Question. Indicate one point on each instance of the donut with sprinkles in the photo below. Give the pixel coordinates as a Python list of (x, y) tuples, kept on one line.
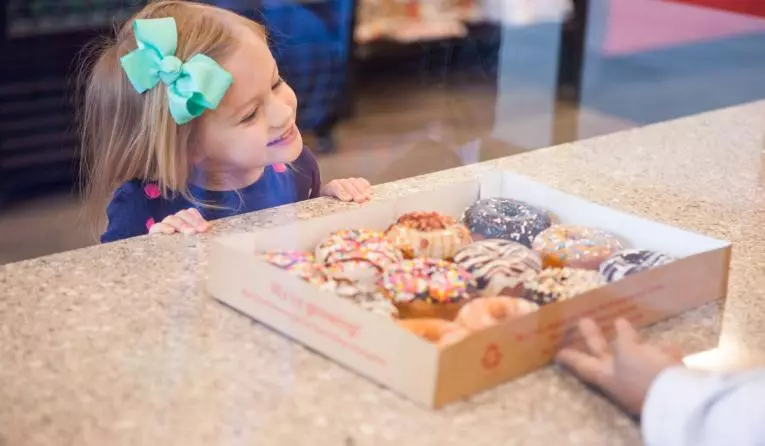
[(575, 247), (556, 284), (507, 219), (299, 263), (427, 287), (356, 255)]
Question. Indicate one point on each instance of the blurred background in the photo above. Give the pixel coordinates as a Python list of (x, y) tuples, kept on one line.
[(391, 89)]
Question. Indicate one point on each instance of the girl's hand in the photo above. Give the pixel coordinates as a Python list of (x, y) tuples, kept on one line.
[(188, 221), (349, 189), (623, 370)]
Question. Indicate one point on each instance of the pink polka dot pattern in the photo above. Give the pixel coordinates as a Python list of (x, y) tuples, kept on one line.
[(279, 168), (152, 191), (149, 223)]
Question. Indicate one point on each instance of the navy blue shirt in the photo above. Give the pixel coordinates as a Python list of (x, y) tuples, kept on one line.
[(137, 205)]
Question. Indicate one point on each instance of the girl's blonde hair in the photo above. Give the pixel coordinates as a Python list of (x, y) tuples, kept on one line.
[(126, 135)]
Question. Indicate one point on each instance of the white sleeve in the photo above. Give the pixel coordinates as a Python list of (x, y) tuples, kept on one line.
[(691, 408)]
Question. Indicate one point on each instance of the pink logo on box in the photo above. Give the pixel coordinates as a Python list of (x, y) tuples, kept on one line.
[(492, 357)]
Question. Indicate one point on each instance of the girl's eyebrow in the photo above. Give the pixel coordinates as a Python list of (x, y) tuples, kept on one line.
[(246, 107)]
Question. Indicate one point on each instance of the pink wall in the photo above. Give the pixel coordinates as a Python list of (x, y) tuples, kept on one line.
[(644, 25)]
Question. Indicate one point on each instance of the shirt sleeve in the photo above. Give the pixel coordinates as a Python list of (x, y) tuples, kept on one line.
[(128, 214), (692, 408), (308, 165)]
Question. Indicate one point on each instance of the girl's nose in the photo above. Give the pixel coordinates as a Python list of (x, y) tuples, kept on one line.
[(278, 112)]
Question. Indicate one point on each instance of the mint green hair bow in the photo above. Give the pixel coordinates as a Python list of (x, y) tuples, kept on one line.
[(192, 86)]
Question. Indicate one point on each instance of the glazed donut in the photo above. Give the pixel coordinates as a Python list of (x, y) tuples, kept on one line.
[(485, 312), (555, 284), (631, 261), (426, 288), (437, 331), (506, 219), (428, 234), (575, 247), (299, 263), (499, 266), (356, 255)]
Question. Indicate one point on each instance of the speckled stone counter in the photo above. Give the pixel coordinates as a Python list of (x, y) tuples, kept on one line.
[(119, 344)]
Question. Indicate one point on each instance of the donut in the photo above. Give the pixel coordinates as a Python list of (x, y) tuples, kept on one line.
[(426, 288), (575, 247), (299, 263), (506, 219), (631, 261), (485, 312), (555, 284), (356, 255), (377, 304), (428, 234), (437, 331), (371, 301), (499, 266)]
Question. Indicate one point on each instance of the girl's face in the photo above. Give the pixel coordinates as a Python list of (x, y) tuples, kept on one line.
[(254, 125)]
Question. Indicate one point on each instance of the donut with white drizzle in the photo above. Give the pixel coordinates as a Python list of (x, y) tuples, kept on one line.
[(499, 266)]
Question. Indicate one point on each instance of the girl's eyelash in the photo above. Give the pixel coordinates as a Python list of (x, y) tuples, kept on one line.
[(251, 116)]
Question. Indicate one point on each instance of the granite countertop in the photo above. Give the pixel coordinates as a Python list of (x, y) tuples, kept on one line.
[(120, 344)]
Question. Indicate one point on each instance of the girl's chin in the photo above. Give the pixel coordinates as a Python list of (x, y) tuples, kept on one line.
[(285, 153)]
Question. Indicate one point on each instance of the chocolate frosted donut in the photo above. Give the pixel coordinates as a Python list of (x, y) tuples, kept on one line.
[(631, 261), (554, 284), (506, 219), (499, 266)]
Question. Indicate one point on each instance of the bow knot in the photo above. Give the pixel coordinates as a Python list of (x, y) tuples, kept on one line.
[(192, 86), (170, 69)]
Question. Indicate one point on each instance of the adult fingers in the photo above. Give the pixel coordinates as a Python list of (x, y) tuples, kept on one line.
[(626, 335), (672, 351), (593, 338), (586, 367)]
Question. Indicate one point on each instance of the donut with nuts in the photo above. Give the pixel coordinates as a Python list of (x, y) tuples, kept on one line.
[(428, 235)]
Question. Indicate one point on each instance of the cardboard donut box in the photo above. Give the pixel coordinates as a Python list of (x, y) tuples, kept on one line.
[(377, 348)]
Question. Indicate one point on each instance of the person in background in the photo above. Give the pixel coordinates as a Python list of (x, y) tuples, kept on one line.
[(187, 120), (679, 406)]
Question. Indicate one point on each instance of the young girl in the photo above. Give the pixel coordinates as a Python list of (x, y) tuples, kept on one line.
[(187, 120)]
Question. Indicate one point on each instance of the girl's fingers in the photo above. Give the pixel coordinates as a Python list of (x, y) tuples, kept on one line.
[(362, 186), (338, 190), (356, 192), (593, 338), (179, 224), (587, 367), (195, 219), (161, 228)]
